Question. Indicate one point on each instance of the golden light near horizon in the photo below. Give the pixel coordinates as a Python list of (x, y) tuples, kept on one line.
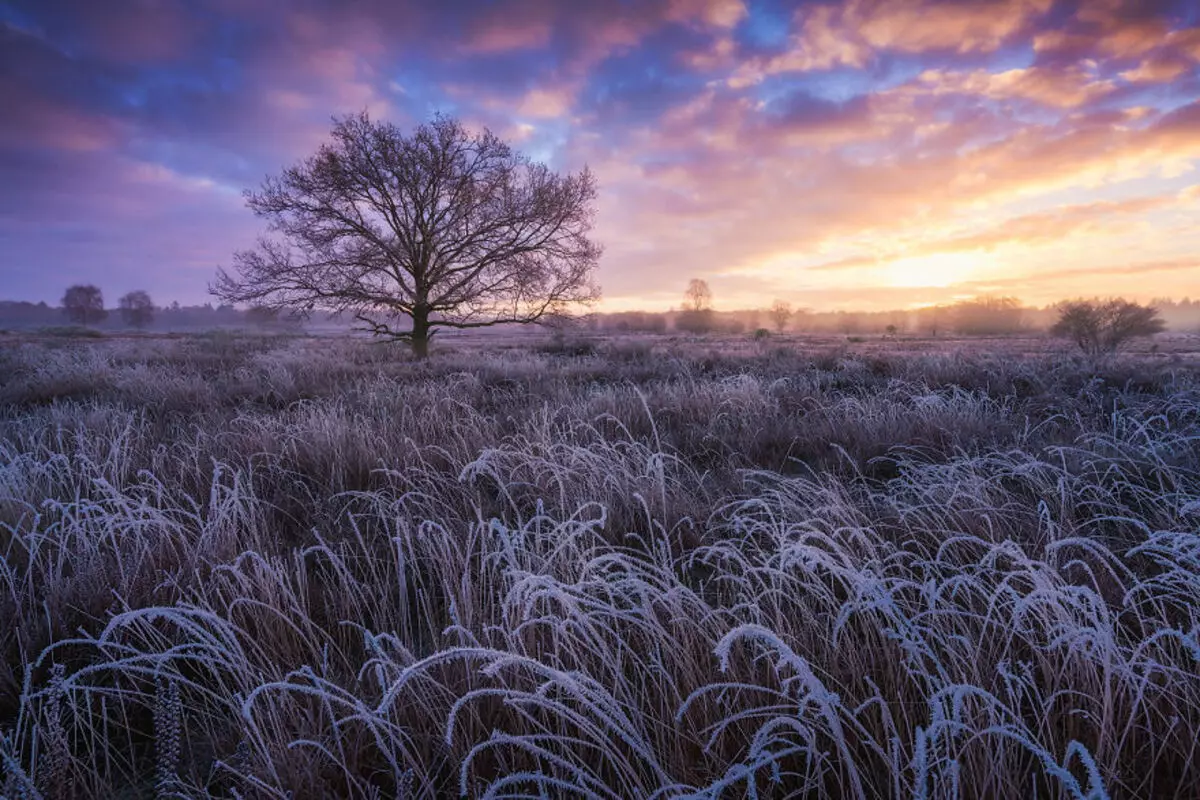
[(940, 270)]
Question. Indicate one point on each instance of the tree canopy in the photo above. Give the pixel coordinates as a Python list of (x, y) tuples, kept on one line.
[(442, 228), (137, 309), (84, 304)]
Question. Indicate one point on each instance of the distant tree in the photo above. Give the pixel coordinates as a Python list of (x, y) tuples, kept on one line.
[(84, 305), (988, 316), (697, 314), (1100, 327), (698, 296), (412, 234), (849, 322), (136, 309), (781, 312), (932, 319)]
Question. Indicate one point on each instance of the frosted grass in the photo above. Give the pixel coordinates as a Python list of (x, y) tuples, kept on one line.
[(512, 575)]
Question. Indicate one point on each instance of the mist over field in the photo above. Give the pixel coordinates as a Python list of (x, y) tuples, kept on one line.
[(266, 566)]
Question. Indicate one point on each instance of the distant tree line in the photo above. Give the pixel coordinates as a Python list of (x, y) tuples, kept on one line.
[(983, 316), (1096, 326), (83, 305)]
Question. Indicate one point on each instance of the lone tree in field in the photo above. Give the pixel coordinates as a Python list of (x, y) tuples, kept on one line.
[(84, 305), (443, 228), (781, 312), (698, 296), (136, 309), (697, 313), (1100, 327)]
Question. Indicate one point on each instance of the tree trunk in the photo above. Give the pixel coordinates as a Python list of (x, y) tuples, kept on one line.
[(420, 334)]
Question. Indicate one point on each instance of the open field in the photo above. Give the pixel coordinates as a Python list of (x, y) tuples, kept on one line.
[(247, 566)]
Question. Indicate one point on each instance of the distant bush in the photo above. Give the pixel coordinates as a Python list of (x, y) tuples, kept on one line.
[(761, 334), (629, 350), (633, 322), (1101, 327), (561, 345), (695, 320), (71, 332)]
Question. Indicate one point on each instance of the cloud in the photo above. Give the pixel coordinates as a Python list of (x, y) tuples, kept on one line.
[(980, 136), (1158, 68), (1055, 225), (855, 33), (1066, 88)]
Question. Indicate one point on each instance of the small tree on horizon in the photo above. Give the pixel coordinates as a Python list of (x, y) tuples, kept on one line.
[(781, 313), (697, 297), (697, 313), (1100, 327), (137, 310), (84, 304), (411, 234)]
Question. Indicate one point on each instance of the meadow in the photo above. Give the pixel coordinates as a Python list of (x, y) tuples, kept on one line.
[(252, 566)]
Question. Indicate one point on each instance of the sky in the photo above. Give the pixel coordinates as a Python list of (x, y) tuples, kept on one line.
[(867, 154)]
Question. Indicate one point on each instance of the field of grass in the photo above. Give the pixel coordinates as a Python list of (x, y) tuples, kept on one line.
[(258, 567)]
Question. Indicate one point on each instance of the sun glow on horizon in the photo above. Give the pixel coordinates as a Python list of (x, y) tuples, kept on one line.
[(937, 271)]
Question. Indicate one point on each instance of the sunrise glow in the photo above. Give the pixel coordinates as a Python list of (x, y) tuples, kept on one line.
[(863, 154)]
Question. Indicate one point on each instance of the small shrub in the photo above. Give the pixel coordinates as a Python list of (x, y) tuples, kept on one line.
[(71, 332), (572, 346), (1102, 327)]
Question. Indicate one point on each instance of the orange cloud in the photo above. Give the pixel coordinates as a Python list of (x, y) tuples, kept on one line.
[(851, 34), (913, 26), (1158, 68), (1071, 87), (716, 13), (545, 103), (1047, 226)]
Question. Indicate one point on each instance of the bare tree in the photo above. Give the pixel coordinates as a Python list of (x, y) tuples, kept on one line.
[(136, 309), (1100, 327), (698, 296), (442, 228), (781, 312), (84, 304), (697, 313)]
